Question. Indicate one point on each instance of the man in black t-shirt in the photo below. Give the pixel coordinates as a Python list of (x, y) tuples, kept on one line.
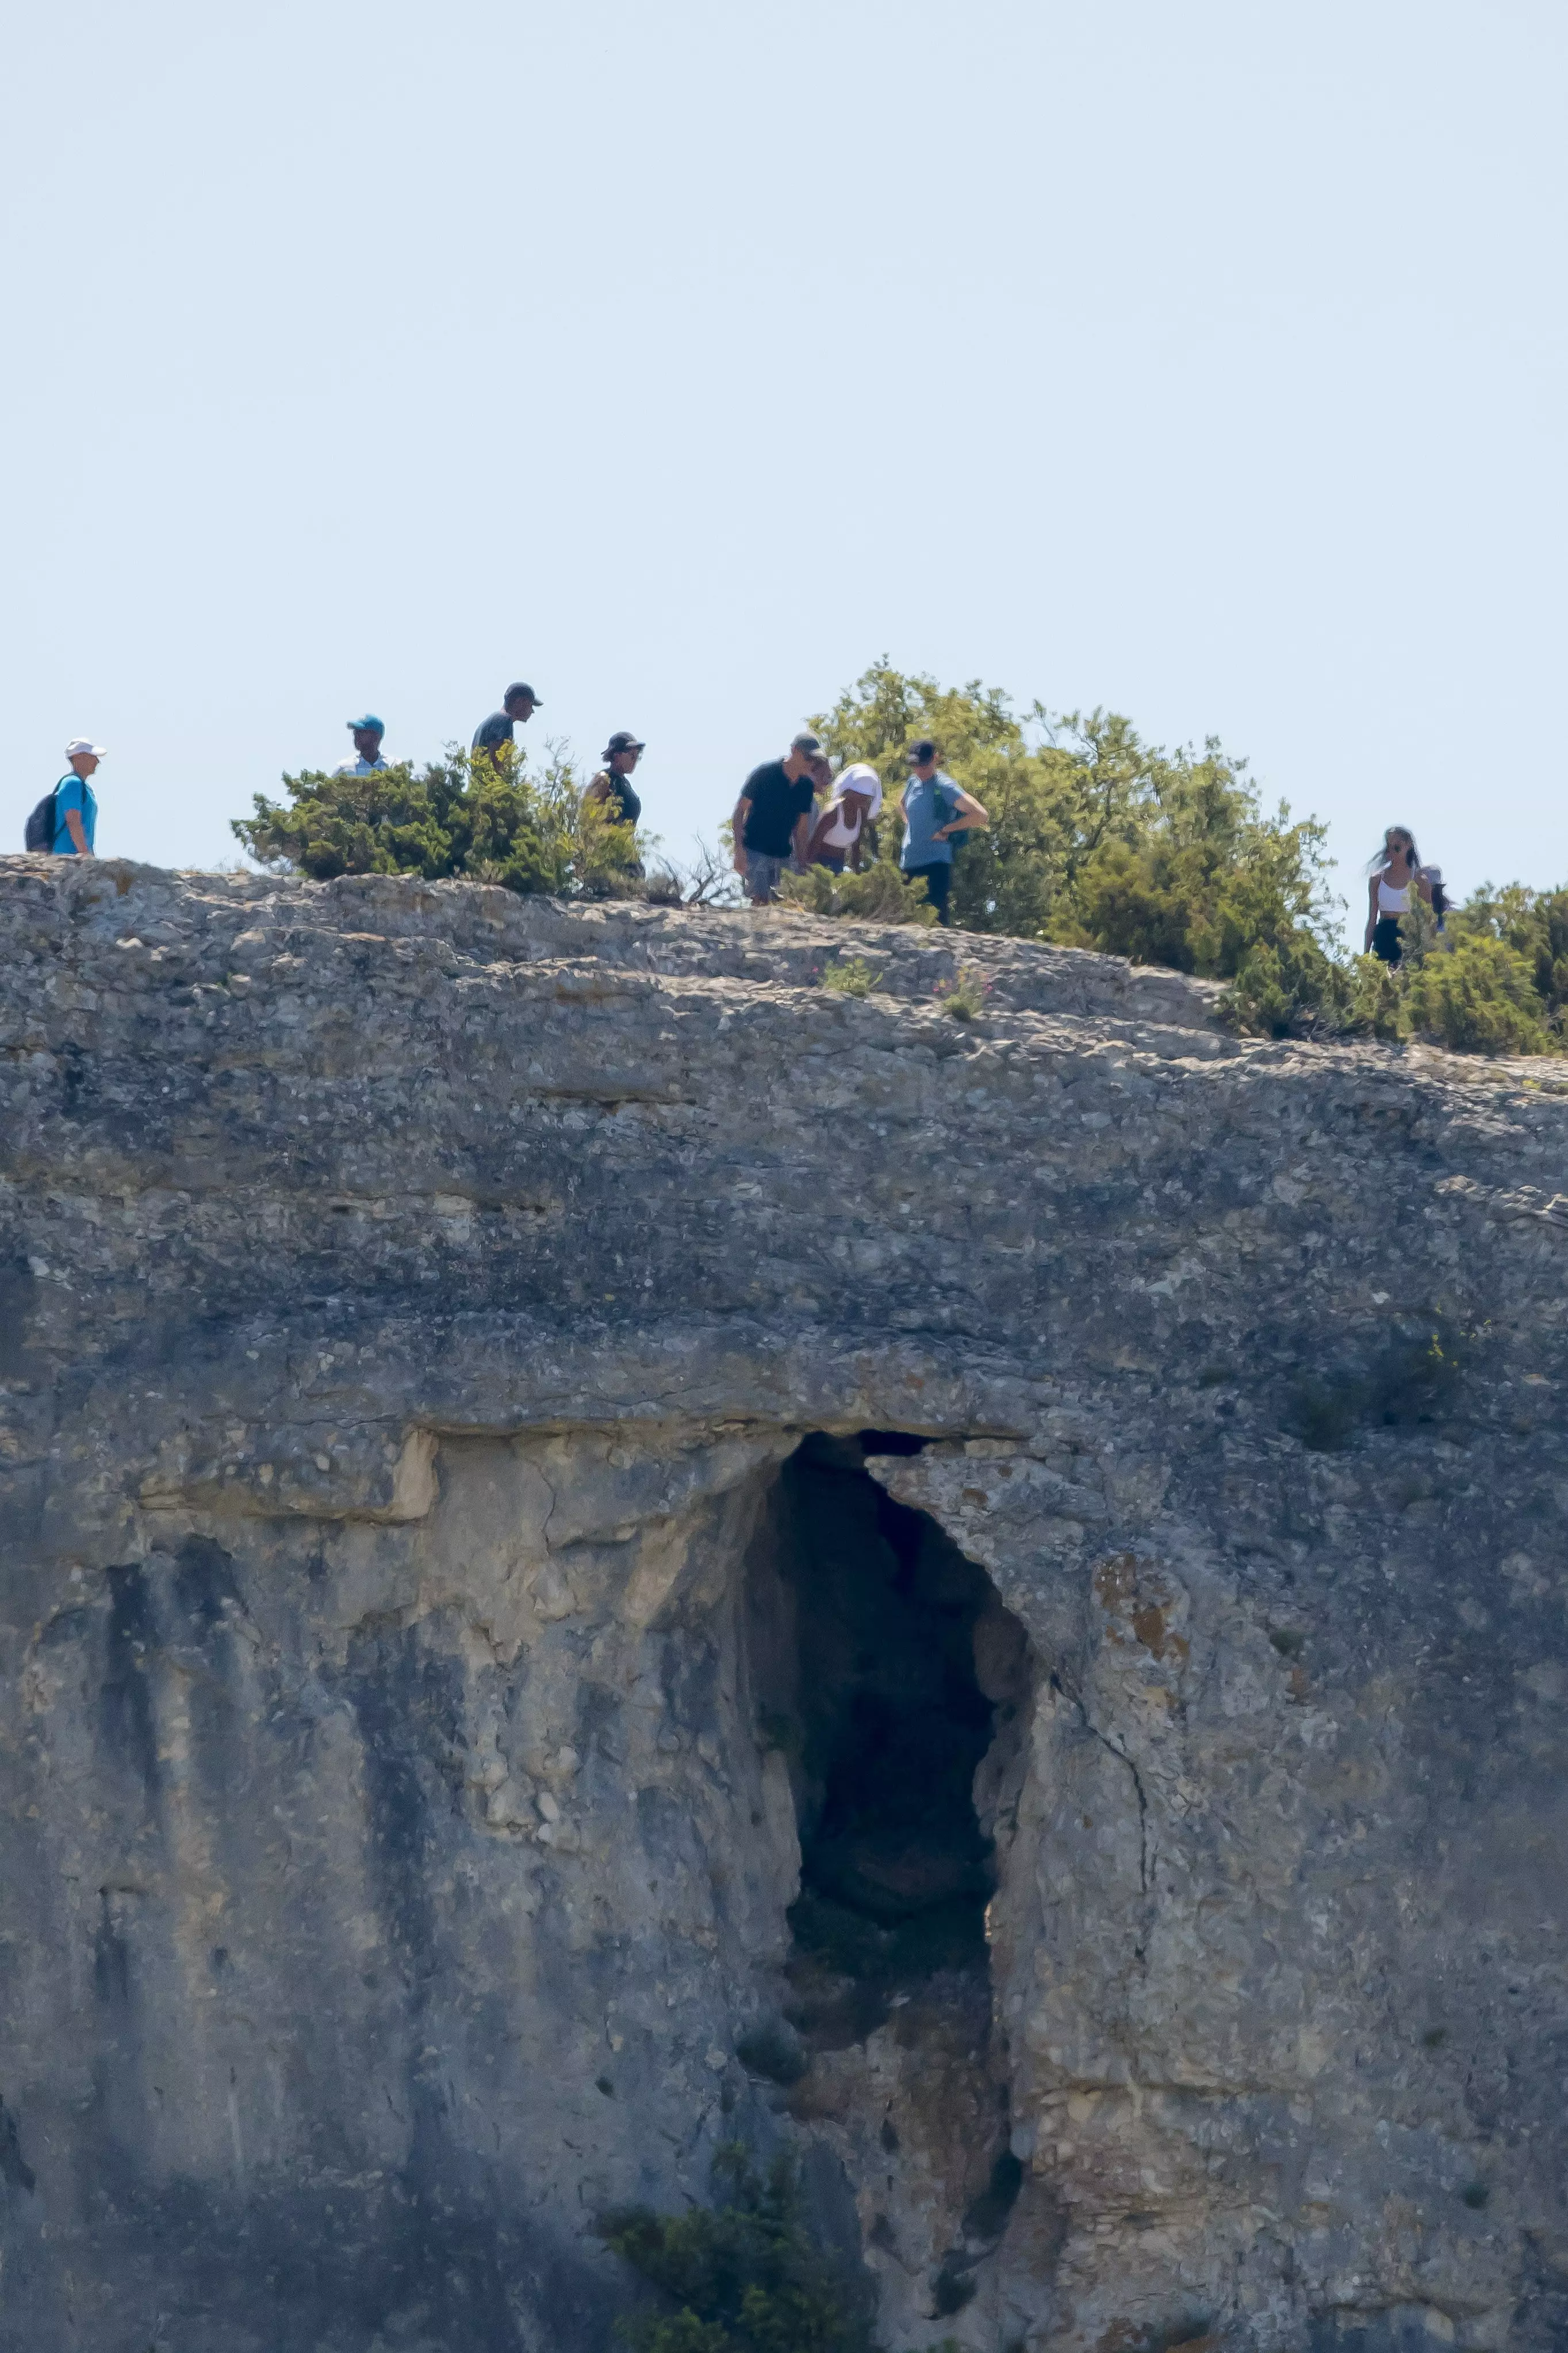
[(772, 819)]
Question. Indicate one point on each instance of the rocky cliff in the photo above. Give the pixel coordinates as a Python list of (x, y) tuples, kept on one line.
[(607, 1550)]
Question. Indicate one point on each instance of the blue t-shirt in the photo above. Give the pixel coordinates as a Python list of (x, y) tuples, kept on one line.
[(74, 792), (927, 805)]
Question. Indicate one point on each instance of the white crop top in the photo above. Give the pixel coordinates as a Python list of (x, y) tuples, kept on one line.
[(840, 834)]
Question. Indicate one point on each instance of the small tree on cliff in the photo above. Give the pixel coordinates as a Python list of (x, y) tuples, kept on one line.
[(1098, 839), (485, 817)]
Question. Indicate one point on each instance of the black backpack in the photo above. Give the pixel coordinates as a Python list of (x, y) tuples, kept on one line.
[(40, 833)]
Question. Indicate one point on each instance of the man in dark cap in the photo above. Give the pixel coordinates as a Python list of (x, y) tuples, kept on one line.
[(518, 706), (772, 819), (612, 787), (613, 783), (935, 809)]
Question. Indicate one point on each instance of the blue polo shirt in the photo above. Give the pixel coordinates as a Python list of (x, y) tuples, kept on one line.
[(74, 792)]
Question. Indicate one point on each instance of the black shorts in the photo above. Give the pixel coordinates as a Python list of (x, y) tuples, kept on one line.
[(1385, 940)]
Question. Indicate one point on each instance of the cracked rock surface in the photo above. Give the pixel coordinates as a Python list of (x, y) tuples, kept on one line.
[(415, 1303)]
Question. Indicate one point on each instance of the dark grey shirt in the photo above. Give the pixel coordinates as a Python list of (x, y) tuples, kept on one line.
[(493, 732)]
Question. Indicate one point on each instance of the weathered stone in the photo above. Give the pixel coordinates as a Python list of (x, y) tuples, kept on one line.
[(423, 1638)]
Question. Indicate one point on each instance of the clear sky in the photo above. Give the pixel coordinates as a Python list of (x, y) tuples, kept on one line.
[(1207, 362)]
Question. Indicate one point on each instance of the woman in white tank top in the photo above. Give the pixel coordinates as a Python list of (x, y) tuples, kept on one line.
[(840, 830), (1395, 872)]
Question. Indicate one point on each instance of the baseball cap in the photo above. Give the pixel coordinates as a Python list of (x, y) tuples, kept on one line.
[(518, 688), (623, 740), (378, 726), (923, 751), (79, 744), (806, 741)]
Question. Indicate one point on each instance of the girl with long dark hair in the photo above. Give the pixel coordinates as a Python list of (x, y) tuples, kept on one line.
[(1394, 873)]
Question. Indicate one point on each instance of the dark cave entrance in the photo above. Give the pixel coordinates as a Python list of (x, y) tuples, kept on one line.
[(895, 1684)]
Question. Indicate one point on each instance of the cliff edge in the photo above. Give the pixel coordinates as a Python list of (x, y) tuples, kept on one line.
[(608, 1550)]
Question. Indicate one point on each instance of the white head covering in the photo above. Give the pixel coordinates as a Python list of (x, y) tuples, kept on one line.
[(861, 777)]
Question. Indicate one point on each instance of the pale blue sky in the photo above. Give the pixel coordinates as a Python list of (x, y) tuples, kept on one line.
[(1204, 360)]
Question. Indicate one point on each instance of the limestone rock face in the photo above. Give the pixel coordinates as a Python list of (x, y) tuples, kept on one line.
[(607, 1550)]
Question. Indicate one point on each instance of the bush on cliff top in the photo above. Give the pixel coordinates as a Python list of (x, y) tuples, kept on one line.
[(1099, 840), (488, 819)]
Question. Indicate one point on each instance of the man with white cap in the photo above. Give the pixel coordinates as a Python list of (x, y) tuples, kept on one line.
[(72, 823), (839, 832)]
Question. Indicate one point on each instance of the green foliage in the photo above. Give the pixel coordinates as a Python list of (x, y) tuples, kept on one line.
[(1535, 924), (742, 2275), (1099, 840), (851, 976), (479, 816), (963, 996), (1373, 1007), (1480, 999), (879, 895)]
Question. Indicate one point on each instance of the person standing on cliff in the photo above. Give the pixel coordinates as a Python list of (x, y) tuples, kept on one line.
[(367, 760), (772, 819), (518, 705), (1396, 872), (66, 822), (613, 785), (935, 809)]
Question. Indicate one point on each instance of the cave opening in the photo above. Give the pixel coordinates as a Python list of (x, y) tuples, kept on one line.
[(896, 1685)]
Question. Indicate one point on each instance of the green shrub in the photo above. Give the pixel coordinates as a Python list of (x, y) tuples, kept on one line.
[(1532, 922), (879, 895), (1099, 840), (1480, 999), (851, 976), (963, 996), (742, 2275), (485, 818), (1373, 1005)]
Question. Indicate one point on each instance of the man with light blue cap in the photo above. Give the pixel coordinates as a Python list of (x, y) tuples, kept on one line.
[(367, 734)]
